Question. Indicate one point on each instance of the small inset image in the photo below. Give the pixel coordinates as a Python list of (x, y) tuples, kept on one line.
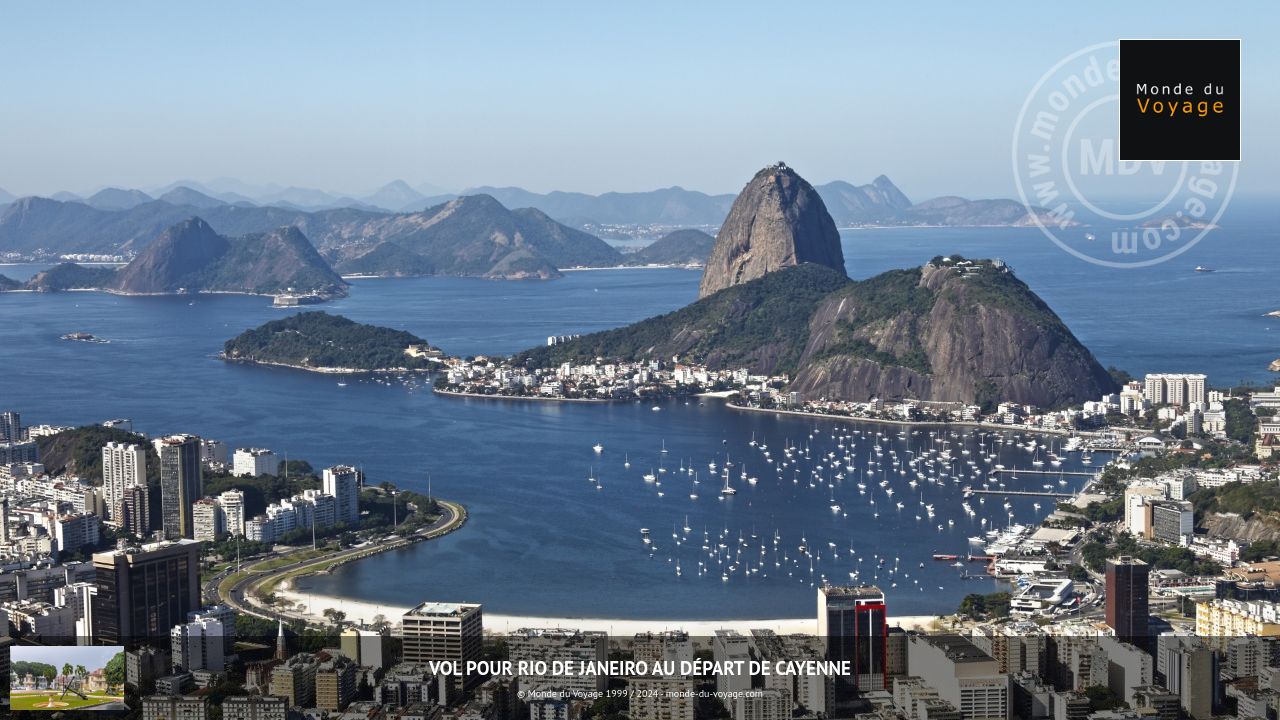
[(52, 679)]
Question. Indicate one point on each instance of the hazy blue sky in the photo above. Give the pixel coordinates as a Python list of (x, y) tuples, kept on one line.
[(572, 96)]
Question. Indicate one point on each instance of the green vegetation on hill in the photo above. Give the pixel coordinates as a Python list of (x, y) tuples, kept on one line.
[(763, 324), (1260, 550), (1245, 500), (389, 260), (79, 451), (316, 340), (675, 248), (878, 300), (71, 276), (261, 491), (274, 262)]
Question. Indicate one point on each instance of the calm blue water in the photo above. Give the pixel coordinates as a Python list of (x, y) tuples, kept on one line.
[(542, 539)]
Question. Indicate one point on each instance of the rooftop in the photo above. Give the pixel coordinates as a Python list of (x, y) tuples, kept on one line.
[(956, 648), (443, 609), (869, 592)]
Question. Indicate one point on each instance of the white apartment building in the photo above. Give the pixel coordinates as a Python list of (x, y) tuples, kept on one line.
[(342, 482), (559, 645), (1179, 389), (962, 674), (124, 465), (206, 519), (252, 462), (199, 645), (231, 502)]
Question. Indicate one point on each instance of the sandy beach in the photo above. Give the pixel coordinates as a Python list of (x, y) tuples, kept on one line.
[(359, 611)]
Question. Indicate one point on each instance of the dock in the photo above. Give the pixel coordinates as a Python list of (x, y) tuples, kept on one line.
[(1025, 493), (1055, 473)]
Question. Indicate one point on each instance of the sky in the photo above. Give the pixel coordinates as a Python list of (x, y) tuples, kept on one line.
[(589, 97)]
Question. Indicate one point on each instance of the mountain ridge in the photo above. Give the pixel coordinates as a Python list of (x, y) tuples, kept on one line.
[(774, 299), (191, 257), (484, 239)]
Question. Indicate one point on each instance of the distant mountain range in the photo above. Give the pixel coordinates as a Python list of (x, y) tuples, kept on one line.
[(877, 203), (470, 236)]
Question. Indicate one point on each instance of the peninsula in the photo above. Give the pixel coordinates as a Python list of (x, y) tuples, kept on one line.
[(776, 301)]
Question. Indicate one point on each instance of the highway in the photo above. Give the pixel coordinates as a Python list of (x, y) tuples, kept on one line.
[(236, 594)]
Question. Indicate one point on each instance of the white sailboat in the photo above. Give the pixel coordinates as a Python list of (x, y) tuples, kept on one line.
[(727, 489)]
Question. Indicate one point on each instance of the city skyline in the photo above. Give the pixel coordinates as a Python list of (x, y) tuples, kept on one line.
[(607, 100)]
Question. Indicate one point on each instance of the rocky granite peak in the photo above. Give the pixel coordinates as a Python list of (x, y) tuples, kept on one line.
[(169, 259), (777, 221)]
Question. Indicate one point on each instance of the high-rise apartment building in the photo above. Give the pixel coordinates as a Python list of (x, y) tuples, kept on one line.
[(853, 621), (124, 465), (181, 483), (1127, 611), (206, 520), (231, 502), (341, 481), (443, 631), (142, 592)]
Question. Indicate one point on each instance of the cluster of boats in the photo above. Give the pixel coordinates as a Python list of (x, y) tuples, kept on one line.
[(876, 475)]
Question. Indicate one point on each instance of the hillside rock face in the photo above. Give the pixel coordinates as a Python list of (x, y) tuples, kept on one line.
[(191, 257), (960, 331), (181, 250), (963, 332), (778, 220)]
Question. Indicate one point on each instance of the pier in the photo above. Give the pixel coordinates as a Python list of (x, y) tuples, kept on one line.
[(1026, 493), (1055, 473)]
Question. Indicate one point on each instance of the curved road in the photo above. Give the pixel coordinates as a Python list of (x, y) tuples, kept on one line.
[(236, 594)]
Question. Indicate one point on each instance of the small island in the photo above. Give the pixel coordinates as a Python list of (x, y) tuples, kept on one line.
[(319, 342)]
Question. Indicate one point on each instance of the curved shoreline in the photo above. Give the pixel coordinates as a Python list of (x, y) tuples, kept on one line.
[(538, 398), (239, 594), (322, 370), (920, 423)]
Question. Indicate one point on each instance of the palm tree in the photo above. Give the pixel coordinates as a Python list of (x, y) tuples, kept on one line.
[(66, 673)]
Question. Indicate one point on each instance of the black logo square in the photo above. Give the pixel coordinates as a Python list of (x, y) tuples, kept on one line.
[(1179, 99)]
